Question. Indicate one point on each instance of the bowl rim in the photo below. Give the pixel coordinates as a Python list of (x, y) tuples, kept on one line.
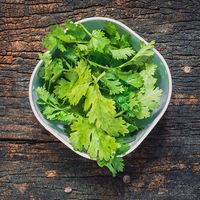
[(152, 125)]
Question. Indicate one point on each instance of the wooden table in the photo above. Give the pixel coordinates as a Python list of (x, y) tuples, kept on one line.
[(34, 165)]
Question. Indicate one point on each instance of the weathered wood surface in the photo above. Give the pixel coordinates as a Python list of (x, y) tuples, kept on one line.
[(34, 165)]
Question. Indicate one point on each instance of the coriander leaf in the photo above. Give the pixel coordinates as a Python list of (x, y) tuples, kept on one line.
[(143, 54), (112, 83), (125, 103), (53, 68), (150, 98), (62, 87), (118, 125), (75, 30), (94, 141), (53, 113), (122, 101), (143, 113), (43, 94), (47, 59), (122, 53), (51, 107), (148, 76), (70, 56), (102, 112), (81, 134), (82, 49), (123, 146), (77, 85), (110, 28), (124, 41), (101, 109), (65, 85), (115, 165), (131, 78), (57, 69), (98, 42), (102, 146), (66, 38), (145, 101), (141, 57), (50, 40)]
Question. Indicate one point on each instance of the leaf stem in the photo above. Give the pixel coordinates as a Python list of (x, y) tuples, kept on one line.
[(80, 42), (100, 76), (68, 65), (49, 85), (83, 27), (129, 62), (98, 65), (119, 113)]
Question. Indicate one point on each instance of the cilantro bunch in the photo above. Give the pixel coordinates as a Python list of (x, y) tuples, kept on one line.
[(99, 87)]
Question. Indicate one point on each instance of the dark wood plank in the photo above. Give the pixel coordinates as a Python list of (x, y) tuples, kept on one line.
[(35, 165), (45, 169)]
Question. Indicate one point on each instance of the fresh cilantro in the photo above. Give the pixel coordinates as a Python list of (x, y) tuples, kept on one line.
[(112, 83), (51, 107), (99, 87), (122, 53), (98, 41), (115, 165)]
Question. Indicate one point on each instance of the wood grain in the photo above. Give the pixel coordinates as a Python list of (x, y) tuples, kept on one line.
[(34, 165)]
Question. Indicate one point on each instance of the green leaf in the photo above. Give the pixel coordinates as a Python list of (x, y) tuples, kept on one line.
[(57, 69), (66, 38), (47, 59), (145, 100), (98, 42), (145, 53), (143, 113), (50, 40), (122, 53), (102, 112), (131, 78), (76, 85), (62, 88), (93, 140), (150, 98), (115, 165), (52, 68), (43, 94), (99, 106), (112, 83), (110, 28), (81, 134), (51, 107), (70, 56), (82, 48), (124, 41), (123, 146), (75, 30), (148, 76)]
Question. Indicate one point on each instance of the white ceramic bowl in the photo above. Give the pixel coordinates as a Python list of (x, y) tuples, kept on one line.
[(165, 83)]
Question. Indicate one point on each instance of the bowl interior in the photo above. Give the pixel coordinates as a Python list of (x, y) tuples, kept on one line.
[(164, 83)]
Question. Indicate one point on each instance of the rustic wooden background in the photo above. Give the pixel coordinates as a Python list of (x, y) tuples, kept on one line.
[(34, 165)]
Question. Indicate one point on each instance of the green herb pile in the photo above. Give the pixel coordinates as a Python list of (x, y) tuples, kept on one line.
[(99, 87)]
